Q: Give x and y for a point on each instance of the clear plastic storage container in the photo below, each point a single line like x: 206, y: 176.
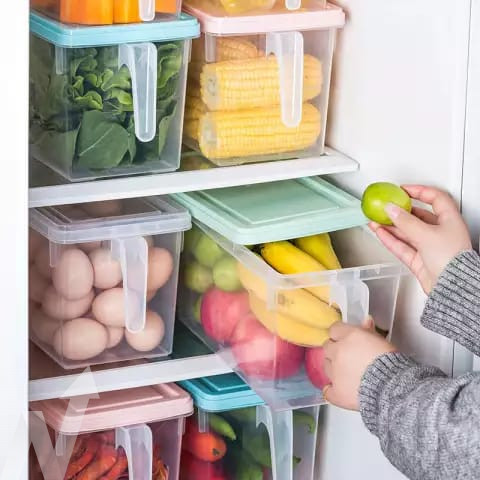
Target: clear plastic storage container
x: 105, y: 12
x: 129, y: 434
x: 103, y: 279
x: 266, y: 307
x: 253, y: 440
x: 258, y: 85
x: 108, y: 101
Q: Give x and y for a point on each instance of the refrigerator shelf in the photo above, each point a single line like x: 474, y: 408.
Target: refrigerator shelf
x: 59, y: 193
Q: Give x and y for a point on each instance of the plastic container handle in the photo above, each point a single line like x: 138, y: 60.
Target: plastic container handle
x: 280, y: 431
x: 136, y: 440
x: 141, y: 60
x: 146, y: 8
x: 133, y: 256
x: 288, y: 49
x: 353, y: 299
x: 293, y: 4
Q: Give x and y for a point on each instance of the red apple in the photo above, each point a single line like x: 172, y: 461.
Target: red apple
x: 221, y: 311
x: 314, y: 361
x: 246, y: 328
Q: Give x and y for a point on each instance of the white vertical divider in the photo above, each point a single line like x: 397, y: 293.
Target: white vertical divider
x: 13, y: 241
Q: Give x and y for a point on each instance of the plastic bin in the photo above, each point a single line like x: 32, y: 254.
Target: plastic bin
x: 134, y: 434
x: 103, y: 279
x: 258, y: 85
x: 108, y: 101
x: 269, y: 321
x: 281, y: 445
x: 105, y: 12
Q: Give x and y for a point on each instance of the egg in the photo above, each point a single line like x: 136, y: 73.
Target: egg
x: 88, y: 247
x: 43, y: 326
x: 151, y: 295
x: 115, y: 336
x: 109, y: 307
x: 73, y: 275
x: 36, y: 285
x: 107, y: 271
x: 56, y: 306
x: 42, y: 261
x: 160, y: 267
x: 150, y: 337
x: 80, y: 339
x: 35, y: 241
x: 107, y: 208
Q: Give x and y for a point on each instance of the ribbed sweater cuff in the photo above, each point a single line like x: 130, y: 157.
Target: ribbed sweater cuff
x: 453, y: 307
x: 374, y: 380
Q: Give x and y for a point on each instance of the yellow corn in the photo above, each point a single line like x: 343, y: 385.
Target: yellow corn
x: 194, y: 109
x: 254, y: 82
x: 256, y: 131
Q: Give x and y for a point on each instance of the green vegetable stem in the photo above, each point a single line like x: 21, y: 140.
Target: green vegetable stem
x: 219, y: 425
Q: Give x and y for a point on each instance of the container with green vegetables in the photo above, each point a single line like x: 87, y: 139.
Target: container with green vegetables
x: 108, y: 101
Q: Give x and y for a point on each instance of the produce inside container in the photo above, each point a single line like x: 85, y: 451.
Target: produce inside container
x: 103, y: 279
x: 105, y: 12
x: 266, y: 308
x: 130, y: 434
x: 101, y: 106
x: 259, y: 90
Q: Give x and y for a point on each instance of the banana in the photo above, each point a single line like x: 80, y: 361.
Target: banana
x: 286, y: 327
x: 320, y: 248
x: 297, y: 304
x: 286, y: 258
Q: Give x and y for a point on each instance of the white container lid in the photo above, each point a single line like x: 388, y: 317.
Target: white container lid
x: 69, y: 224
x: 313, y: 18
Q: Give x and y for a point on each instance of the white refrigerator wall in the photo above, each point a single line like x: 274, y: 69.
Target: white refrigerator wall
x: 398, y: 107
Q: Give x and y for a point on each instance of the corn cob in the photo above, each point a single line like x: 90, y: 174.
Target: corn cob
x: 254, y: 82
x: 255, y: 131
x: 194, y: 109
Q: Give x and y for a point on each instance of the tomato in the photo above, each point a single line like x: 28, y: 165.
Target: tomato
x: 376, y: 197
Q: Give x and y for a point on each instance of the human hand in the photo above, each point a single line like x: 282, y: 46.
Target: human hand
x: 425, y: 241
x: 348, y: 354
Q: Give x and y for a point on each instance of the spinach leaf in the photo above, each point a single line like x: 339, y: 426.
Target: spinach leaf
x: 164, y: 126
x: 170, y: 60
x: 124, y: 100
x: 129, y: 157
x: 120, y: 79
x: 91, y: 100
x: 102, y: 143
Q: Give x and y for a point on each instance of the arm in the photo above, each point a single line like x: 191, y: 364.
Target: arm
x: 427, y: 423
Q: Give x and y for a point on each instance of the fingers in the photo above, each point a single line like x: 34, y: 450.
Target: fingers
x: 329, y: 350
x: 425, y: 215
x: 404, y: 252
x: 442, y: 203
x: 411, y: 227
x: 338, y: 331
x: 369, y: 323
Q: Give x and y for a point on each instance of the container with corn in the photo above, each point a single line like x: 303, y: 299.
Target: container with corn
x: 258, y: 84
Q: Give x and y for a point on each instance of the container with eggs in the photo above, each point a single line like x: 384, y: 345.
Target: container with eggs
x: 103, y: 279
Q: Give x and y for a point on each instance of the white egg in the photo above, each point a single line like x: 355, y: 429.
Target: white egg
x: 151, y: 295
x: 43, y: 326
x: 115, y: 336
x: 73, y: 275
x: 42, y: 261
x: 35, y: 241
x: 80, y: 339
x: 36, y: 285
x: 150, y: 337
x: 106, y: 270
x: 88, y: 247
x: 107, y: 208
x: 56, y: 306
x: 109, y: 307
x: 160, y: 267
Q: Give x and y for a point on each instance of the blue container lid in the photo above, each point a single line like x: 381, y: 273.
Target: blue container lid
x: 71, y: 36
x: 221, y: 393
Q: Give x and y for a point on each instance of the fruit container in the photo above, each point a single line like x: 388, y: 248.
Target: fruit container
x: 258, y: 86
x: 253, y: 441
x: 131, y: 434
x: 265, y: 303
x: 105, y: 12
x: 108, y: 101
x: 103, y: 279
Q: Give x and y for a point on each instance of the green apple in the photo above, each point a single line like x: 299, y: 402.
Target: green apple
x: 191, y: 239
x: 207, y: 252
x: 197, y: 309
x: 225, y: 275
x: 378, y: 195
x: 197, y: 277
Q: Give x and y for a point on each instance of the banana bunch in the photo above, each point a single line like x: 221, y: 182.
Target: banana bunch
x: 301, y: 316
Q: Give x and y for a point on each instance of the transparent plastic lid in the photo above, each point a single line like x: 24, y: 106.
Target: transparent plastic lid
x: 110, y: 220
x: 269, y: 212
x: 115, y: 409
x: 315, y: 16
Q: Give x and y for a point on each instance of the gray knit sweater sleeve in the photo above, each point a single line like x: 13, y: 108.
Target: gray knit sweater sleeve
x: 428, y: 424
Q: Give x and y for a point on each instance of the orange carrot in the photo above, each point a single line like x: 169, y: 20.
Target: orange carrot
x: 84, y: 452
x: 87, y: 12
x: 126, y: 11
x: 207, y: 446
x: 104, y: 461
x: 166, y: 6
x: 120, y: 466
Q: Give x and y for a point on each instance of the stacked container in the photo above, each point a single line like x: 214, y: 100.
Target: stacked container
x: 265, y: 303
x: 108, y: 100
x: 254, y: 441
x: 134, y: 434
x: 259, y: 82
x: 103, y: 279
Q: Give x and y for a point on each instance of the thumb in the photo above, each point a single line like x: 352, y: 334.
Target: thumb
x: 410, y: 225
x: 330, y: 395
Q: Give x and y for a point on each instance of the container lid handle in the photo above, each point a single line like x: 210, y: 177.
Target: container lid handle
x: 141, y: 60
x: 288, y: 49
x: 133, y: 256
x: 136, y: 440
x: 293, y: 4
x: 146, y: 9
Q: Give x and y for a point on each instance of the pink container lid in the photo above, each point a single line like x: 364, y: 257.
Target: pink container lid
x: 116, y: 409
x: 273, y: 21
